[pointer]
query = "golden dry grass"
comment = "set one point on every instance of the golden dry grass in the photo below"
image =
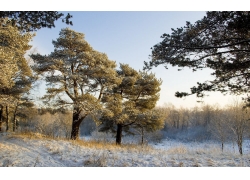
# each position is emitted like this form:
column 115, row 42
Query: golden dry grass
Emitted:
column 92, row 144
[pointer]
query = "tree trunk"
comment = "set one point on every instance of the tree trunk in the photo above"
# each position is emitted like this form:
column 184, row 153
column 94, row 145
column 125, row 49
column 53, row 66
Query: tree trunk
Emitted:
column 119, row 134
column 222, row 146
column 14, row 120
column 7, row 118
column 1, row 115
column 240, row 146
column 142, row 136
column 77, row 119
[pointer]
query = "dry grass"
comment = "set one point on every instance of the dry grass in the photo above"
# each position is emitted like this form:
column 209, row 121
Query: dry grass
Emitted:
column 112, row 146
column 94, row 153
column 178, row 150
column 29, row 135
column 92, row 144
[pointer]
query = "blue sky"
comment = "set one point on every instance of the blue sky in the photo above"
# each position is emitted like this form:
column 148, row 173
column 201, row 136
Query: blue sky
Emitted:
column 126, row 37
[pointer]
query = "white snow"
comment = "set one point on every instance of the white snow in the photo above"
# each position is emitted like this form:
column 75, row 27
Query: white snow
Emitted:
column 30, row 151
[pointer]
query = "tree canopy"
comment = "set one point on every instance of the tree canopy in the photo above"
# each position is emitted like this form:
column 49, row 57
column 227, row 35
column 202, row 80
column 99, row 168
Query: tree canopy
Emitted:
column 219, row 41
column 129, row 104
column 16, row 76
column 33, row 20
column 76, row 75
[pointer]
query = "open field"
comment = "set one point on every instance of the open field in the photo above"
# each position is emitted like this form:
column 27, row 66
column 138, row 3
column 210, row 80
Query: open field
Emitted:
column 38, row 151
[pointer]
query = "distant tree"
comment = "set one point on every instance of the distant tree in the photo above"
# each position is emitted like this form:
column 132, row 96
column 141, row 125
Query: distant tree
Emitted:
column 220, row 41
column 239, row 123
column 27, row 21
column 219, row 126
column 76, row 76
column 173, row 117
column 207, row 114
column 184, row 118
column 15, row 74
column 129, row 103
column 149, row 121
column 196, row 116
column 165, row 111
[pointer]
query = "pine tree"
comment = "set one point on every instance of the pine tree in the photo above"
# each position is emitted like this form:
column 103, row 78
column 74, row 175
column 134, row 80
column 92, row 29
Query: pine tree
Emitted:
column 27, row 21
column 220, row 41
column 130, row 102
column 15, row 74
column 76, row 76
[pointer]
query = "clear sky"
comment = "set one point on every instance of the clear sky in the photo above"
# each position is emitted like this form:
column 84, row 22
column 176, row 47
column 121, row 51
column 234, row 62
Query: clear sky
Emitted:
column 126, row 37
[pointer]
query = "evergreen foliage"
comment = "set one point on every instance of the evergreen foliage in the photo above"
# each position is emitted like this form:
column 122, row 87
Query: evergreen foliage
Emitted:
column 76, row 70
column 15, row 73
column 27, row 21
column 130, row 103
column 219, row 41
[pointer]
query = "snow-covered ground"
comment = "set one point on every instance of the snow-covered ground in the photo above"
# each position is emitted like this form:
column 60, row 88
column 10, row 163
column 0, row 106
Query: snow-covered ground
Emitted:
column 229, row 147
column 30, row 151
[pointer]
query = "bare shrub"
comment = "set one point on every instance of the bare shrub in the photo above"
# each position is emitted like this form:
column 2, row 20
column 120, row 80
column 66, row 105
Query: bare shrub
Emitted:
column 52, row 125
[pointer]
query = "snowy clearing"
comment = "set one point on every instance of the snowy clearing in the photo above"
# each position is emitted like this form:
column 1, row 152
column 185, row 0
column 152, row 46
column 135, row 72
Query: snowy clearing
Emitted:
column 36, row 151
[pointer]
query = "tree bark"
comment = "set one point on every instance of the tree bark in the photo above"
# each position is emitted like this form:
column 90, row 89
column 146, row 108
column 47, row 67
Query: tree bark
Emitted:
column 7, row 118
column 1, row 115
column 240, row 146
column 142, row 136
column 119, row 134
column 77, row 119
column 14, row 120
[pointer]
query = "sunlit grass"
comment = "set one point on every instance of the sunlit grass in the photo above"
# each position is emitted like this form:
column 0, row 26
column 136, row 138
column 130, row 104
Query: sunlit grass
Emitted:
column 95, row 144
column 96, row 153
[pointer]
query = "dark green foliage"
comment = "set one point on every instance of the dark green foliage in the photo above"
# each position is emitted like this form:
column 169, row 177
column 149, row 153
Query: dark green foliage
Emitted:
column 33, row 20
column 219, row 41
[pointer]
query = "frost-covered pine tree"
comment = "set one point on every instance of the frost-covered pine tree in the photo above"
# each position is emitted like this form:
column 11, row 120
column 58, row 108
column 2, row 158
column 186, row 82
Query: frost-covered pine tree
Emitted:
column 76, row 76
column 15, row 73
column 129, row 104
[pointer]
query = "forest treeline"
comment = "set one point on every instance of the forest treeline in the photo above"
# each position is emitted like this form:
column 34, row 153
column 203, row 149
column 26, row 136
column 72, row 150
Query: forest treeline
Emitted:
column 200, row 123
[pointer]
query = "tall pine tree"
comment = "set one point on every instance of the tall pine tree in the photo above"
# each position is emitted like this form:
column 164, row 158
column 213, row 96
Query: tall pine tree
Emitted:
column 76, row 76
column 15, row 74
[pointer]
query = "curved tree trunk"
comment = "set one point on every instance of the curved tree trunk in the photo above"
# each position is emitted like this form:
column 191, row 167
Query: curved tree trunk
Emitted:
column 77, row 119
column 119, row 134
